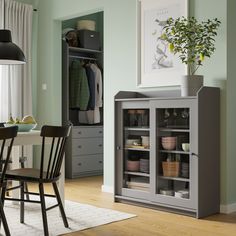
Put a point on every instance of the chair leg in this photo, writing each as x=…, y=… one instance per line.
x=22, y=203
x=60, y=205
x=4, y=220
x=4, y=187
x=3, y=192
x=43, y=208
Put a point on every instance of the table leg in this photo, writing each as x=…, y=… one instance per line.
x=16, y=153
x=61, y=182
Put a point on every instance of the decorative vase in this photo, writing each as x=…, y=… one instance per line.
x=190, y=84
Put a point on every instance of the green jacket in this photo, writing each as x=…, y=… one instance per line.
x=79, y=88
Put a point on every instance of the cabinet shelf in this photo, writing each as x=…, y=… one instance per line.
x=175, y=152
x=137, y=129
x=174, y=130
x=175, y=178
x=137, y=173
x=138, y=149
x=75, y=49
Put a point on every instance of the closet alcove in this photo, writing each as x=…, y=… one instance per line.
x=82, y=94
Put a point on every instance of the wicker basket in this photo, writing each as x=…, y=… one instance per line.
x=170, y=168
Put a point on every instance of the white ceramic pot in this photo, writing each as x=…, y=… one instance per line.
x=145, y=141
x=190, y=85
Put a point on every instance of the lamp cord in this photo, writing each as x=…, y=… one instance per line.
x=4, y=25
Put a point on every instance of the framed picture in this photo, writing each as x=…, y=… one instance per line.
x=157, y=65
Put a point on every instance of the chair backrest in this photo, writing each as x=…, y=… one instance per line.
x=58, y=136
x=7, y=136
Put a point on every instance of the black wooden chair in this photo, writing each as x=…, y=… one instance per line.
x=7, y=136
x=49, y=172
x=22, y=161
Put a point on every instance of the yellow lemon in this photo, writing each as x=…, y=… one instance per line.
x=163, y=36
x=171, y=47
x=201, y=57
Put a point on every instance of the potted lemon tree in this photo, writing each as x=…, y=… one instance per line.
x=192, y=42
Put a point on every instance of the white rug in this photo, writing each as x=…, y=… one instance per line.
x=80, y=216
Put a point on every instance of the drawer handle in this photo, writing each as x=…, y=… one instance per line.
x=100, y=162
x=79, y=132
x=79, y=164
x=100, y=132
x=100, y=145
x=79, y=146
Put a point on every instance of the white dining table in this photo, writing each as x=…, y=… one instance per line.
x=31, y=138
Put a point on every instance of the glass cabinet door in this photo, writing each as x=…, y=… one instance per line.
x=136, y=152
x=175, y=170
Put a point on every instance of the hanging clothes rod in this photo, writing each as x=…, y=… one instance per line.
x=82, y=57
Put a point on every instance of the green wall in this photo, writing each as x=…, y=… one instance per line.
x=215, y=70
x=120, y=56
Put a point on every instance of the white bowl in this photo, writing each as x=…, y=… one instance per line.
x=145, y=141
x=185, y=147
x=132, y=142
x=167, y=192
x=22, y=127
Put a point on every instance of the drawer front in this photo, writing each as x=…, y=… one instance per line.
x=86, y=146
x=87, y=132
x=87, y=163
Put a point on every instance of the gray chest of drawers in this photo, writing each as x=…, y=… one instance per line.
x=84, y=155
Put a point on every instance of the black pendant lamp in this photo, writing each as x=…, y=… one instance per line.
x=10, y=53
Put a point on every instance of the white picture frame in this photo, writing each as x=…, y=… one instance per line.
x=156, y=65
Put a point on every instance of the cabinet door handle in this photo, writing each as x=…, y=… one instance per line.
x=194, y=154
x=100, y=132
x=79, y=164
x=100, y=162
x=100, y=145
x=79, y=146
x=118, y=148
x=79, y=132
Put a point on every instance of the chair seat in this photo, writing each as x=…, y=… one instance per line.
x=28, y=175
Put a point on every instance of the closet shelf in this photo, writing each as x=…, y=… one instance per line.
x=75, y=49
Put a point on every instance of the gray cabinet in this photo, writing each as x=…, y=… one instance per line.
x=167, y=151
x=84, y=149
x=85, y=157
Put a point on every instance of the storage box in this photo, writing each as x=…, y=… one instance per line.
x=170, y=168
x=86, y=25
x=89, y=39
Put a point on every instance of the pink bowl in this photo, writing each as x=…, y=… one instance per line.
x=133, y=165
x=169, y=145
x=168, y=139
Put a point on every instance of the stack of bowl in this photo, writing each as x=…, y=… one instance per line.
x=144, y=165
x=168, y=143
x=185, y=170
x=182, y=193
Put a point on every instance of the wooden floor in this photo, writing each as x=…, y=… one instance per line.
x=148, y=222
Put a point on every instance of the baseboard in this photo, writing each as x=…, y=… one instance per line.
x=107, y=189
x=227, y=209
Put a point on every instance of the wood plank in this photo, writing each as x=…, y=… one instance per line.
x=148, y=222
